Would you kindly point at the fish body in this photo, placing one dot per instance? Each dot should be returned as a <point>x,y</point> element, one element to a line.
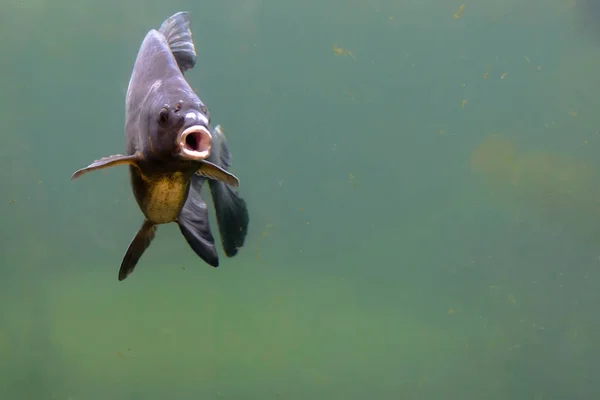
<point>171,151</point>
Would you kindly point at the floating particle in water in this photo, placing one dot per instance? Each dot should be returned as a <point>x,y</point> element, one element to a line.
<point>460,11</point>
<point>511,298</point>
<point>487,72</point>
<point>267,230</point>
<point>503,75</point>
<point>573,114</point>
<point>338,51</point>
<point>352,180</point>
<point>464,103</point>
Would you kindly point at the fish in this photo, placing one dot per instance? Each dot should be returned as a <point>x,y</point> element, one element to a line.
<point>171,151</point>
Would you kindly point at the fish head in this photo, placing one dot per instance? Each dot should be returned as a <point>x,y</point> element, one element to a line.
<point>165,119</point>
<point>180,128</point>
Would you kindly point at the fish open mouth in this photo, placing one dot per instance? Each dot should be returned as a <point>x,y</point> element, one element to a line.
<point>194,143</point>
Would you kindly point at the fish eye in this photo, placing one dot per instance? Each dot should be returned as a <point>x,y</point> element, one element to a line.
<point>163,115</point>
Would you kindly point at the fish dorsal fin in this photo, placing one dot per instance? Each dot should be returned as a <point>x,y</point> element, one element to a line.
<point>176,29</point>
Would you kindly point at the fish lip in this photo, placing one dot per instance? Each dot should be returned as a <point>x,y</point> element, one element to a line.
<point>198,147</point>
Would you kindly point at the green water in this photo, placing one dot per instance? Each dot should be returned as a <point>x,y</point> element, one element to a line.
<point>424,194</point>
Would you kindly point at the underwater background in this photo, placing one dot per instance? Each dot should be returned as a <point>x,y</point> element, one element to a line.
<point>423,180</point>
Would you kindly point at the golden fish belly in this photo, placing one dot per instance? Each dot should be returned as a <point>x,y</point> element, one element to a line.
<point>165,198</point>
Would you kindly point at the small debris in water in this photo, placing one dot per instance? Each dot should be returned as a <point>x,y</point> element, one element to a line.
<point>338,51</point>
<point>352,180</point>
<point>460,11</point>
<point>486,73</point>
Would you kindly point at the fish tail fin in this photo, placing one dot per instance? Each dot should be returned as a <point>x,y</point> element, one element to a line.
<point>136,248</point>
<point>231,209</point>
<point>193,224</point>
<point>176,29</point>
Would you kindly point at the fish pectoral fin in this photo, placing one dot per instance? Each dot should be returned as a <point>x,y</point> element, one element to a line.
<point>213,171</point>
<point>107,162</point>
<point>193,223</point>
<point>136,248</point>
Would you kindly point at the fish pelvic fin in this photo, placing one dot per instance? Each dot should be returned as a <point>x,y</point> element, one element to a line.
<point>194,225</point>
<point>107,162</point>
<point>136,248</point>
<point>176,29</point>
<point>230,208</point>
